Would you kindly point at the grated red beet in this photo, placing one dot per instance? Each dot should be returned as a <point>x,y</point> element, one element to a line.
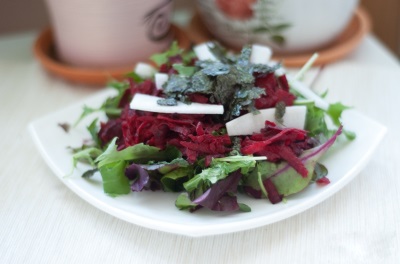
<point>323,181</point>
<point>278,144</point>
<point>276,90</point>
<point>195,135</point>
<point>273,194</point>
<point>206,145</point>
<point>198,98</point>
<point>252,192</point>
<point>283,83</point>
<point>110,130</point>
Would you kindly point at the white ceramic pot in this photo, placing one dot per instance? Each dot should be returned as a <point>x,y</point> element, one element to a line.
<point>109,33</point>
<point>286,25</point>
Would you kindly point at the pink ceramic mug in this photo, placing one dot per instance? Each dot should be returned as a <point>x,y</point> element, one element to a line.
<point>109,33</point>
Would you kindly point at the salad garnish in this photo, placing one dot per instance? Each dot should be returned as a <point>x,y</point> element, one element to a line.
<point>238,124</point>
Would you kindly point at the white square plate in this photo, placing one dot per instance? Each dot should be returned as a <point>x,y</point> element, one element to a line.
<point>156,210</point>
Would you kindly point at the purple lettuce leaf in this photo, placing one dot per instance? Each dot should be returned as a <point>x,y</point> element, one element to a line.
<point>220,197</point>
<point>138,175</point>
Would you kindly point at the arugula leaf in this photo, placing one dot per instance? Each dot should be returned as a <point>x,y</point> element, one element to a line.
<point>239,158</point>
<point>188,56</point>
<point>174,50</point>
<point>244,208</point>
<point>162,58</point>
<point>111,154</point>
<point>110,106</point>
<point>89,173</point>
<point>85,112</point>
<point>114,180</point>
<point>350,135</point>
<point>86,155</point>
<point>165,167</point>
<point>93,130</point>
<point>183,202</point>
<point>218,170</point>
<point>139,153</point>
<point>320,171</point>
<point>335,112</point>
<point>135,77</point>
<point>184,70</point>
<point>315,121</point>
<point>172,181</point>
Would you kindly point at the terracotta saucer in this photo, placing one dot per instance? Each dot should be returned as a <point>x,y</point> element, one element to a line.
<point>348,40</point>
<point>44,52</point>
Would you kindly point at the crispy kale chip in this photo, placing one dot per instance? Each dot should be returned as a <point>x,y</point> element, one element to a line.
<point>229,81</point>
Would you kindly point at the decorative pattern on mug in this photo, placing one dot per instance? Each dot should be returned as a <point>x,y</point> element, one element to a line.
<point>158,21</point>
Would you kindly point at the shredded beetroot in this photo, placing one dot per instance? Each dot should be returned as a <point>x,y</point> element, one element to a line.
<point>110,130</point>
<point>287,154</point>
<point>146,87</point>
<point>323,181</point>
<point>283,83</point>
<point>276,90</point>
<point>252,192</point>
<point>198,98</point>
<point>206,145</point>
<point>273,194</point>
<point>196,135</point>
<point>278,144</point>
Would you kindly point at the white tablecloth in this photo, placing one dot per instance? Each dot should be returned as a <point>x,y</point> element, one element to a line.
<point>42,221</point>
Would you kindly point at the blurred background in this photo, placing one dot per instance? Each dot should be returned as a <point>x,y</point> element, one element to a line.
<point>24,15</point>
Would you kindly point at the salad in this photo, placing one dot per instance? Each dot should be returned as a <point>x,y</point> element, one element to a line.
<point>208,124</point>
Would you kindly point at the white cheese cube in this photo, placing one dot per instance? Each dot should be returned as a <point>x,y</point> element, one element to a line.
<point>203,52</point>
<point>144,70</point>
<point>260,54</point>
<point>160,79</point>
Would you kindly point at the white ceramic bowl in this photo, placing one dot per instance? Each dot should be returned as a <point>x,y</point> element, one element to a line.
<point>287,26</point>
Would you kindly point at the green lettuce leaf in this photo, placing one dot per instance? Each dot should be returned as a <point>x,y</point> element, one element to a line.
<point>139,153</point>
<point>114,180</point>
<point>162,58</point>
<point>183,202</point>
<point>184,70</point>
<point>173,181</point>
<point>219,170</point>
<point>335,112</point>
